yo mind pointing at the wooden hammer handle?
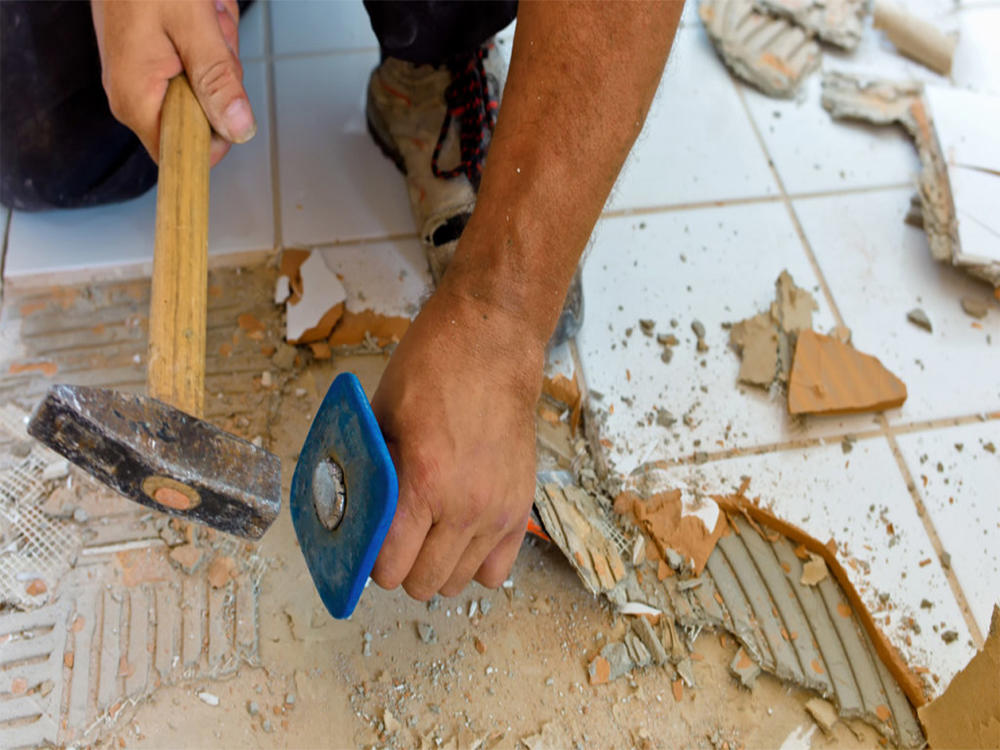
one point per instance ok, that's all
(176, 367)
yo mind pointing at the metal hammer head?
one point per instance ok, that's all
(343, 495)
(163, 458)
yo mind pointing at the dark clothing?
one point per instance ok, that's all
(60, 146)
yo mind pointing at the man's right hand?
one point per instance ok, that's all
(144, 44)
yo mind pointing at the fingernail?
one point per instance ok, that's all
(239, 121)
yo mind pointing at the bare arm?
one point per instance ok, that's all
(457, 401)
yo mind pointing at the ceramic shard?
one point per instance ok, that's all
(839, 22)
(316, 303)
(885, 102)
(830, 377)
(771, 53)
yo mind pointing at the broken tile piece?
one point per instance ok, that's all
(967, 713)
(764, 342)
(676, 523)
(829, 377)
(919, 318)
(771, 53)
(187, 556)
(221, 571)
(975, 307)
(823, 713)
(745, 668)
(839, 22)
(813, 571)
(319, 307)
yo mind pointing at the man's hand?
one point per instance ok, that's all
(145, 44)
(456, 404)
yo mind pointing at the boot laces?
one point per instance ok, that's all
(470, 103)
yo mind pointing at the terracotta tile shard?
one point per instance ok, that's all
(967, 713)
(321, 350)
(48, 369)
(771, 53)
(312, 314)
(883, 712)
(36, 587)
(250, 323)
(355, 328)
(69, 659)
(678, 689)
(829, 377)
(187, 556)
(480, 646)
(675, 525)
(599, 671)
(221, 571)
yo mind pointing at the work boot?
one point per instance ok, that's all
(436, 123)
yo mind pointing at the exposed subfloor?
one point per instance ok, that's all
(285, 673)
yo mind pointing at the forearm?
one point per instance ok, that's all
(581, 80)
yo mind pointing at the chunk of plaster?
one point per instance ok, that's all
(829, 377)
(313, 317)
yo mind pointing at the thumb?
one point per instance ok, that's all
(215, 73)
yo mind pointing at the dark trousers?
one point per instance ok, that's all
(60, 147)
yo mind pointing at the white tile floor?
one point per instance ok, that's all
(703, 219)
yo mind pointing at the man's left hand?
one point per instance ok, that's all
(456, 405)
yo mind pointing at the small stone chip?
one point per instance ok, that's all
(647, 326)
(210, 698)
(949, 636)
(975, 307)
(485, 605)
(698, 328)
(252, 708)
(919, 318)
(426, 633)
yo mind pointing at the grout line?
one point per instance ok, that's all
(750, 200)
(932, 535)
(942, 423)
(3, 255)
(312, 54)
(272, 113)
(827, 292)
(705, 457)
(358, 241)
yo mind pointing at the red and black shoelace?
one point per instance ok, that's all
(470, 102)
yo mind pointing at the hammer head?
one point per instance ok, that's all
(343, 495)
(163, 458)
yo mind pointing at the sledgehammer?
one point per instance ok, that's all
(156, 450)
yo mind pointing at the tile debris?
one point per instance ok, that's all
(829, 377)
(914, 37)
(885, 102)
(771, 53)
(766, 341)
(839, 22)
(967, 713)
(975, 307)
(818, 636)
(919, 318)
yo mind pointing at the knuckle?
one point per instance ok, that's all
(217, 78)
(419, 590)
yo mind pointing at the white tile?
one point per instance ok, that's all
(959, 489)
(697, 143)
(335, 183)
(241, 213)
(854, 498)
(813, 152)
(391, 278)
(252, 45)
(732, 256)
(976, 64)
(879, 269)
(300, 26)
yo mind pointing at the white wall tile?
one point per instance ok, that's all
(697, 143)
(241, 212)
(301, 26)
(731, 258)
(335, 182)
